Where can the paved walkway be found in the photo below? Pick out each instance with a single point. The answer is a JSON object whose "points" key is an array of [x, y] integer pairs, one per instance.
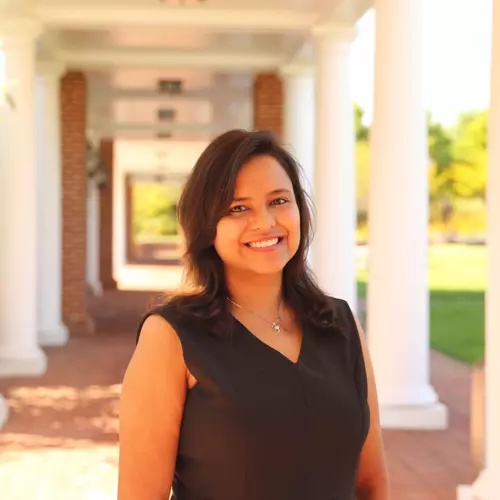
{"points": [[60, 440]]}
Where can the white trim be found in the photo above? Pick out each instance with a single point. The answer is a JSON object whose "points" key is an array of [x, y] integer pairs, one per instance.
{"points": [[337, 31], [215, 60], [101, 94], [57, 336], [106, 128], [21, 28], [17, 361], [425, 417], [290, 70], [230, 20]]}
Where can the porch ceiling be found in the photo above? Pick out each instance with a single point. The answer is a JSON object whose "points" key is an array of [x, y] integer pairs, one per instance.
{"points": [[131, 44], [75, 28]]}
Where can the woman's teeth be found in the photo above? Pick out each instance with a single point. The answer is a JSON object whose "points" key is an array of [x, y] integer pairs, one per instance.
{"points": [[264, 244]]}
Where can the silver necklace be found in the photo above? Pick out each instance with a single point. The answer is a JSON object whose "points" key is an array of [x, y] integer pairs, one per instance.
{"points": [[275, 325]]}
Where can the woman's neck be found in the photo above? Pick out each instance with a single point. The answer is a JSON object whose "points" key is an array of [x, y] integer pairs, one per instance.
{"points": [[253, 292]]}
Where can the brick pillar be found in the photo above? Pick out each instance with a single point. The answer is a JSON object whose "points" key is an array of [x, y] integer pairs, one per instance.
{"points": [[74, 202], [268, 103], [106, 215]]}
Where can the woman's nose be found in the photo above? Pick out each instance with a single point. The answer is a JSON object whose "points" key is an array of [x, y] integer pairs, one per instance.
{"points": [[262, 220]]}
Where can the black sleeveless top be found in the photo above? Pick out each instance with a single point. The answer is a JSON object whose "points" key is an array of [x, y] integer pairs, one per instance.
{"points": [[257, 426]]}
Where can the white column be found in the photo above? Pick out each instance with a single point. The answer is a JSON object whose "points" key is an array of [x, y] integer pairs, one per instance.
{"points": [[299, 123], [299, 118], [487, 486], [93, 229], [4, 411], [51, 330], [119, 216], [398, 311], [19, 350], [334, 246]]}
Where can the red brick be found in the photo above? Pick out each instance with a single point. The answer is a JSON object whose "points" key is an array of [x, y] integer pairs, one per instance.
{"points": [[74, 203], [106, 218], [268, 103]]}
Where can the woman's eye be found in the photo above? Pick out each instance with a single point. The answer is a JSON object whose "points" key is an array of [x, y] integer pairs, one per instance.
{"points": [[237, 209], [279, 201]]}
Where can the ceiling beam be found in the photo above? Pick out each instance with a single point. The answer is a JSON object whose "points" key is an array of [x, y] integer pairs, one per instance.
{"points": [[227, 61], [348, 11], [222, 20], [105, 93], [112, 127]]}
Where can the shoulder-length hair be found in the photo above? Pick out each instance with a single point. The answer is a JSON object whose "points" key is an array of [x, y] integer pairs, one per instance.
{"points": [[206, 198]]}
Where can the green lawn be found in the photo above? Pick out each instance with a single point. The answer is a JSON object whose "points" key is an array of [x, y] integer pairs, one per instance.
{"points": [[457, 278]]}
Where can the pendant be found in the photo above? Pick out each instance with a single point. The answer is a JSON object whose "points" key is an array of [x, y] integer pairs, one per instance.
{"points": [[276, 327]]}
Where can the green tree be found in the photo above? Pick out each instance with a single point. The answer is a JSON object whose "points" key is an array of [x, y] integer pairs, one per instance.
{"points": [[155, 210], [470, 154], [440, 145], [441, 183], [362, 131]]}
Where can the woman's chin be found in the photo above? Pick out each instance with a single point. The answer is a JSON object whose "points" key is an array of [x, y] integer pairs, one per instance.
{"points": [[267, 268]]}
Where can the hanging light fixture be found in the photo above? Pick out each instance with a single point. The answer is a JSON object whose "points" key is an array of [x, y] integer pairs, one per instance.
{"points": [[96, 168]]}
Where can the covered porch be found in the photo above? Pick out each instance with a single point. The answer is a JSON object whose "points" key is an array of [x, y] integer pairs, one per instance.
{"points": [[103, 91]]}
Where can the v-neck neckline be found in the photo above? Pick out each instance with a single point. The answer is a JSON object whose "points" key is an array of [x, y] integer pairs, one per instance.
{"points": [[299, 360]]}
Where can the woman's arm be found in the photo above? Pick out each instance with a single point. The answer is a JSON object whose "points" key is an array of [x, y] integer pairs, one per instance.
{"points": [[372, 481], [151, 408]]}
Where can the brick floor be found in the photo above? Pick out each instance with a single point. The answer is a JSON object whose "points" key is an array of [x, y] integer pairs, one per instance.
{"points": [[60, 440]]}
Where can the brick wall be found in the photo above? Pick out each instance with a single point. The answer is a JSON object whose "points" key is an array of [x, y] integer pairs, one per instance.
{"points": [[268, 103], [106, 219], [74, 203]]}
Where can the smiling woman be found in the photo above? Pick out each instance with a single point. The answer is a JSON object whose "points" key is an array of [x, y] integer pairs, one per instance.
{"points": [[255, 384], [261, 231]]}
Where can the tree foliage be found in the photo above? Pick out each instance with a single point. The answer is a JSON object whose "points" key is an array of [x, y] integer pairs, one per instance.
{"points": [[155, 210], [458, 157], [362, 131], [457, 167]]}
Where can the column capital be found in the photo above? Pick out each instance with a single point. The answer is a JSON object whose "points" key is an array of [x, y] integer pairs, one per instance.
{"points": [[50, 69], [22, 28], [296, 70], [346, 33], [19, 30]]}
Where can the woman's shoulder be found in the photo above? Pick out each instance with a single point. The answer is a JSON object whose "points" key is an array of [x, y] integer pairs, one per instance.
{"points": [[164, 316]]}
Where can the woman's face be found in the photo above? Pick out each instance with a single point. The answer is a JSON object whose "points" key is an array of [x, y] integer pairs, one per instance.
{"points": [[261, 231]]}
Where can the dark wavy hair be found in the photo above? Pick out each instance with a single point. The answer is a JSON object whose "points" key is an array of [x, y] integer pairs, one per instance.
{"points": [[206, 198]]}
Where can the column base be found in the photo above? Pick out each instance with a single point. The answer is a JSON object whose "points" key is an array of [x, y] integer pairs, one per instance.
{"points": [[486, 487], [418, 417], [32, 363], [80, 325], [95, 288], [4, 411], [109, 283], [54, 337]]}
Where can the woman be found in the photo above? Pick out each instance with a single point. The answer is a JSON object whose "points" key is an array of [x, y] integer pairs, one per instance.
{"points": [[255, 384]]}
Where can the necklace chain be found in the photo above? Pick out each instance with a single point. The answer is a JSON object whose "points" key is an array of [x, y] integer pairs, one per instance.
{"points": [[275, 325]]}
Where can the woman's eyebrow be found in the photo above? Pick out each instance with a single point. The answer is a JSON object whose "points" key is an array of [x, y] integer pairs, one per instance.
{"points": [[273, 192]]}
